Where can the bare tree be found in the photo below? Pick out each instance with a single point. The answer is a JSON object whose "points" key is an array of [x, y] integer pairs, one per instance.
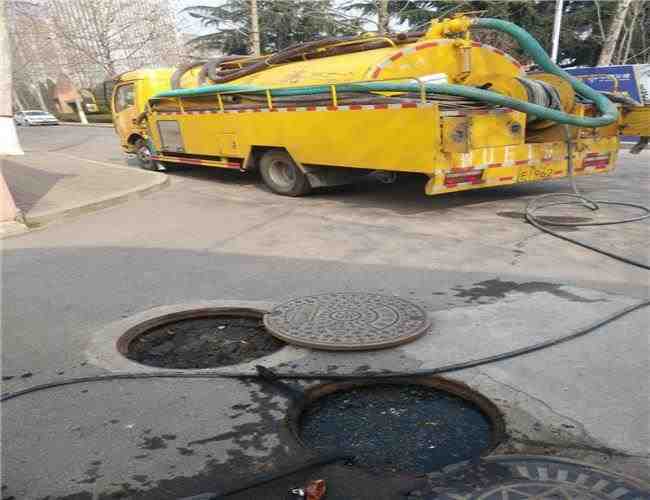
{"points": [[114, 35], [614, 32]]}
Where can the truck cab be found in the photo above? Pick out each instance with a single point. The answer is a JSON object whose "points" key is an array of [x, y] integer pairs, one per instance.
{"points": [[131, 92]]}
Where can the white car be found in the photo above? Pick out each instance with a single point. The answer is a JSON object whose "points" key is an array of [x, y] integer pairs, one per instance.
{"points": [[35, 117]]}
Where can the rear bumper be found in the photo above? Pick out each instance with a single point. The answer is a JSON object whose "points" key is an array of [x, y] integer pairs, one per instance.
{"points": [[508, 165]]}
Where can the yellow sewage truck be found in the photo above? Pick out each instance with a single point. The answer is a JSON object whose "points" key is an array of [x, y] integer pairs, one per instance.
{"points": [[438, 103]]}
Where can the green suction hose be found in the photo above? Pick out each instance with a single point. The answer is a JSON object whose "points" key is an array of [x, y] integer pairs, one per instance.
{"points": [[609, 113]]}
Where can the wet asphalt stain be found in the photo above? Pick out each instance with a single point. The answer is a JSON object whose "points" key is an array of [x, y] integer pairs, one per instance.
{"points": [[26, 375], [92, 473], [153, 443], [141, 478], [84, 495], [214, 439], [185, 451], [498, 289], [7, 377], [240, 406]]}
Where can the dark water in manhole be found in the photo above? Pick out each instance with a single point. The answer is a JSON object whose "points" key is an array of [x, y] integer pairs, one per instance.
{"points": [[406, 428], [204, 343]]}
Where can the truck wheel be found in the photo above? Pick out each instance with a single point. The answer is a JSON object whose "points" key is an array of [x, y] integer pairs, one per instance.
{"points": [[143, 153], [282, 175]]}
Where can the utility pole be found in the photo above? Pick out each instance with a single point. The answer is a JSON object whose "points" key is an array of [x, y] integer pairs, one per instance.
{"points": [[255, 30], [383, 20], [557, 27]]}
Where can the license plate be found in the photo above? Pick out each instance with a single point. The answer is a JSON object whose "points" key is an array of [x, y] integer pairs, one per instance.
{"points": [[534, 173]]}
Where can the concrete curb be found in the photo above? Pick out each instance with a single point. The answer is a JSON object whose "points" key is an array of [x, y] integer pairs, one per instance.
{"points": [[75, 124], [40, 219], [12, 228]]}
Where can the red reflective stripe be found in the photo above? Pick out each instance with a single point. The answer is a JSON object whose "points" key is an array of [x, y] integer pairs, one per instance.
{"points": [[426, 45], [332, 108], [595, 163], [396, 56], [506, 178], [410, 105], [356, 107]]}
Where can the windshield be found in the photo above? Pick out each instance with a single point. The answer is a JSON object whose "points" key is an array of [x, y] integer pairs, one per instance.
{"points": [[36, 113]]}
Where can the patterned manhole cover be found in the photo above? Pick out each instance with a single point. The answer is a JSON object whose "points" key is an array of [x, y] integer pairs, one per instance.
{"points": [[347, 321], [540, 478]]}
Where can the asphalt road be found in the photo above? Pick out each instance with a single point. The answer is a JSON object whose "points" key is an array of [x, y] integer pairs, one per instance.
{"points": [[492, 280]]}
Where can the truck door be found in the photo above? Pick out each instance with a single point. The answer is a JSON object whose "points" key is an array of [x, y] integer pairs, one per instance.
{"points": [[124, 110]]}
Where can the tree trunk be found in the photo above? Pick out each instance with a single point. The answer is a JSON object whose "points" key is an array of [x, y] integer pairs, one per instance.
{"points": [[636, 9], [383, 19], [255, 30], [607, 53], [9, 144], [39, 96]]}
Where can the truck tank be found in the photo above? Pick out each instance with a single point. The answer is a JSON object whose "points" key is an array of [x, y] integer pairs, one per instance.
{"points": [[426, 56]]}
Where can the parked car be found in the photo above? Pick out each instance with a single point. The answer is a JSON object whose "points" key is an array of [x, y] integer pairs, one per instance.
{"points": [[35, 117]]}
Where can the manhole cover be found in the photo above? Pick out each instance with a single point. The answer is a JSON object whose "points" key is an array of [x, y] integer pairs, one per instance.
{"points": [[539, 478], [200, 342], [401, 427], [347, 321]]}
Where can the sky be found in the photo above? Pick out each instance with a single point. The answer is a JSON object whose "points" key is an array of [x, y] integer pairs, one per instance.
{"points": [[187, 24]]}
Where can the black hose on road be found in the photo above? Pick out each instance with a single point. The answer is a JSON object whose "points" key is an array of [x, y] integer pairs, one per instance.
{"points": [[453, 367]]}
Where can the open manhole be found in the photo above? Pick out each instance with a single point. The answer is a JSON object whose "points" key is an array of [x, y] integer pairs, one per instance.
{"points": [[414, 426], [203, 338]]}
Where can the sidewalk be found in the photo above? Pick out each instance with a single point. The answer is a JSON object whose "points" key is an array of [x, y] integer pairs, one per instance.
{"points": [[77, 124], [57, 185]]}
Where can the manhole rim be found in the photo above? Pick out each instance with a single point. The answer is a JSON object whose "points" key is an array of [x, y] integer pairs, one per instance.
{"points": [[132, 333], [422, 330], [498, 430]]}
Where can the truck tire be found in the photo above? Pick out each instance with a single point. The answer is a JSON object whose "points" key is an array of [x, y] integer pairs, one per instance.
{"points": [[143, 153], [281, 174]]}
